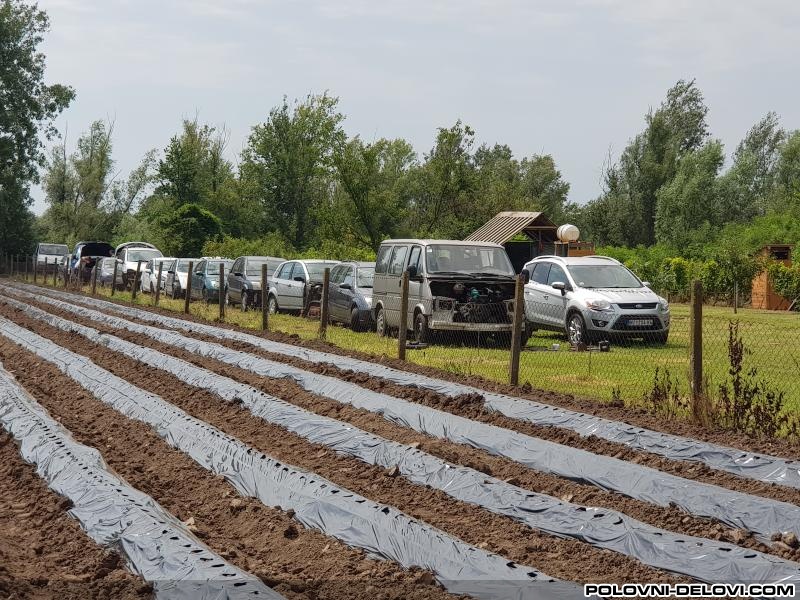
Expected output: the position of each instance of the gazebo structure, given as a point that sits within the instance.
(526, 235)
(763, 294)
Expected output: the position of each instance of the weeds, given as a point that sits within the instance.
(664, 398)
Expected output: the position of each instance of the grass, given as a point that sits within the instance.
(772, 338)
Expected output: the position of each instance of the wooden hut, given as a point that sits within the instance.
(762, 293)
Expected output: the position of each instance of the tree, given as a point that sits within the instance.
(373, 178)
(186, 230)
(288, 163)
(543, 187)
(29, 106)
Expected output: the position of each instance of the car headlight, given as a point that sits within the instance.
(598, 304)
(214, 283)
(368, 300)
(663, 305)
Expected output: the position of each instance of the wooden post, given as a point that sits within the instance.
(94, 277)
(13, 264)
(135, 286)
(114, 276)
(696, 347)
(67, 276)
(402, 333)
(44, 282)
(35, 267)
(516, 331)
(26, 268)
(158, 284)
(188, 292)
(323, 312)
(221, 294)
(735, 297)
(264, 298)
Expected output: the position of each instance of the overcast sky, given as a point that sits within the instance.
(572, 78)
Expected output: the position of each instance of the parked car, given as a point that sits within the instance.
(105, 272)
(453, 286)
(205, 279)
(177, 277)
(83, 258)
(592, 298)
(350, 294)
(55, 254)
(149, 274)
(287, 288)
(131, 253)
(244, 279)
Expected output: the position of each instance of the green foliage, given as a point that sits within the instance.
(785, 280)
(271, 244)
(187, 229)
(29, 106)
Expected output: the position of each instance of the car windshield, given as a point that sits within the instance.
(213, 267)
(254, 267)
(364, 277)
(142, 254)
(603, 276)
(467, 260)
(315, 270)
(57, 249)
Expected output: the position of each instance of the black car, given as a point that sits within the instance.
(84, 257)
(244, 280)
(350, 294)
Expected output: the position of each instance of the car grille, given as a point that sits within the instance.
(621, 324)
(637, 305)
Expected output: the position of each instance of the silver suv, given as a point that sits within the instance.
(592, 298)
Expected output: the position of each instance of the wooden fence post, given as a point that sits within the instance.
(402, 334)
(264, 299)
(323, 310)
(35, 267)
(94, 277)
(157, 295)
(44, 279)
(188, 297)
(114, 276)
(516, 331)
(221, 294)
(135, 284)
(735, 297)
(699, 400)
(26, 268)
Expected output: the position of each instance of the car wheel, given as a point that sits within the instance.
(176, 292)
(660, 338)
(380, 323)
(525, 336)
(355, 323)
(576, 330)
(244, 301)
(272, 305)
(204, 295)
(421, 331)
(152, 289)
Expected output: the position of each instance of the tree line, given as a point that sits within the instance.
(303, 186)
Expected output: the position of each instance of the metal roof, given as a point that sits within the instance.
(505, 225)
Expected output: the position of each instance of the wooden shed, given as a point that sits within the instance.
(762, 293)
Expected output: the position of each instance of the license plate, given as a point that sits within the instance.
(640, 322)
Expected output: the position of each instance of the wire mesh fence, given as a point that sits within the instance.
(750, 358)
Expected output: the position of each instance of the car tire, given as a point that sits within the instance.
(380, 323)
(204, 294)
(176, 292)
(243, 302)
(355, 323)
(272, 305)
(576, 330)
(421, 332)
(661, 337)
(525, 336)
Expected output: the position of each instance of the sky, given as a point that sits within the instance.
(570, 78)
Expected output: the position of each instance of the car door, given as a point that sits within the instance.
(397, 264)
(415, 283)
(535, 291)
(236, 280)
(197, 279)
(334, 293)
(346, 291)
(556, 302)
(295, 286)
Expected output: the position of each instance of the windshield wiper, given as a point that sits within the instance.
(456, 273)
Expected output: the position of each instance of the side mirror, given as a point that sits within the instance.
(560, 285)
(646, 283)
(412, 271)
(345, 286)
(526, 276)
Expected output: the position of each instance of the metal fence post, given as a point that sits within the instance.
(94, 278)
(157, 295)
(188, 297)
(114, 277)
(221, 294)
(699, 407)
(264, 299)
(402, 333)
(323, 309)
(516, 331)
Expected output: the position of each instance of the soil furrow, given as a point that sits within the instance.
(265, 541)
(44, 553)
(468, 522)
(670, 518)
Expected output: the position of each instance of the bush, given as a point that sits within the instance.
(272, 244)
(785, 280)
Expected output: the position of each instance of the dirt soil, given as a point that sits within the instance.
(633, 415)
(468, 522)
(44, 553)
(472, 407)
(265, 541)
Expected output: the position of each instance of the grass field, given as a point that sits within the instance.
(771, 338)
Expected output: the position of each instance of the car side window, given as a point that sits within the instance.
(348, 275)
(237, 265)
(540, 272)
(414, 259)
(382, 262)
(556, 274)
(283, 271)
(201, 267)
(398, 260)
